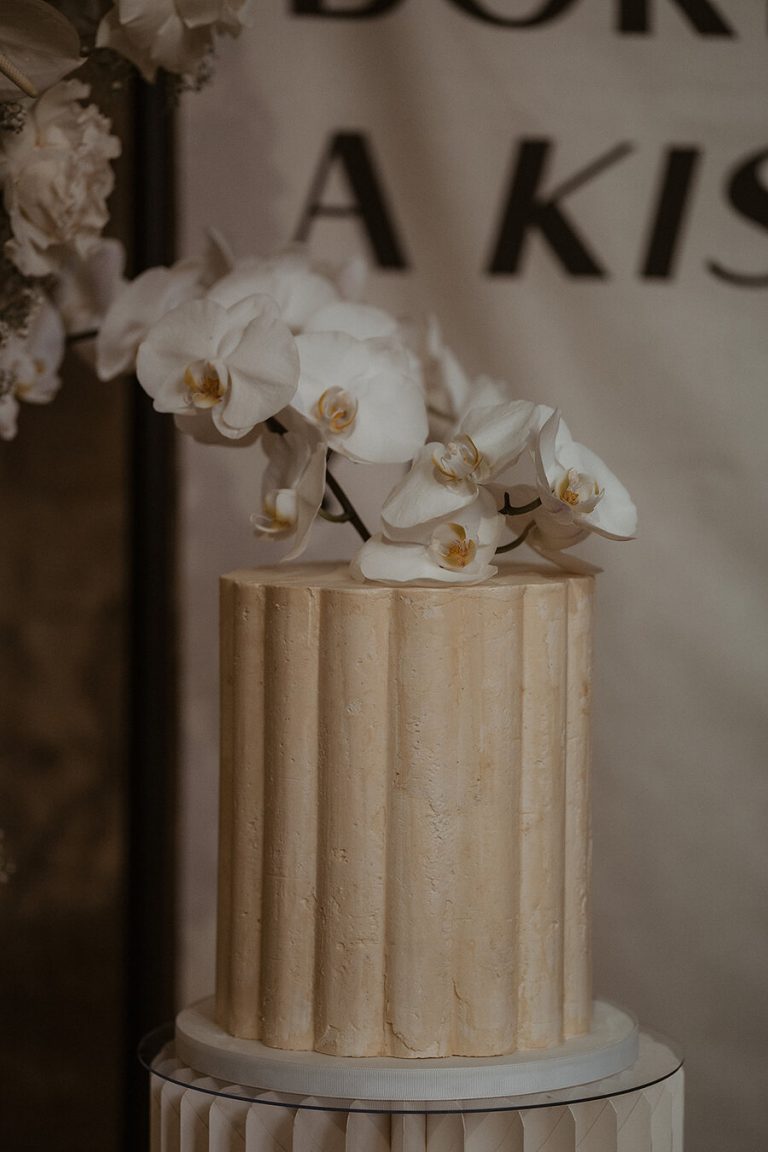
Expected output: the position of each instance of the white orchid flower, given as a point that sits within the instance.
(490, 438)
(446, 384)
(292, 487)
(240, 364)
(142, 302)
(288, 278)
(362, 321)
(29, 367)
(364, 396)
(458, 549)
(38, 46)
(578, 492)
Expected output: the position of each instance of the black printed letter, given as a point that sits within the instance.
(362, 12)
(351, 151)
(525, 210)
(633, 17)
(665, 230)
(548, 11)
(750, 199)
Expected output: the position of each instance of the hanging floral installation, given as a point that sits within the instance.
(276, 354)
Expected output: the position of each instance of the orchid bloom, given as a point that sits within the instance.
(456, 549)
(238, 364)
(292, 486)
(490, 438)
(364, 396)
(297, 289)
(446, 384)
(577, 490)
(142, 302)
(579, 496)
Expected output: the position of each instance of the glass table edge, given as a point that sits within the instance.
(153, 1043)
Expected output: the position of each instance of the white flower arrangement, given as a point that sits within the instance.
(271, 353)
(276, 353)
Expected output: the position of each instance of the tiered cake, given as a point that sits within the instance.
(404, 865)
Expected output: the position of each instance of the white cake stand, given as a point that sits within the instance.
(610, 1047)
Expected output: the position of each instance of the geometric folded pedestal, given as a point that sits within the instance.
(637, 1111)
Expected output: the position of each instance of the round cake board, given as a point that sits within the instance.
(610, 1047)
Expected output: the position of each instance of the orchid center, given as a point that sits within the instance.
(451, 547)
(459, 460)
(205, 383)
(280, 511)
(336, 411)
(578, 489)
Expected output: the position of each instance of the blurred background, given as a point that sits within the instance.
(579, 193)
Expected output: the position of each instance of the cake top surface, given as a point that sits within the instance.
(336, 575)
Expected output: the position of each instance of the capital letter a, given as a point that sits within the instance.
(350, 150)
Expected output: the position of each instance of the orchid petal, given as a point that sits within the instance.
(421, 496)
(135, 309)
(500, 432)
(615, 515)
(298, 291)
(390, 423)
(359, 320)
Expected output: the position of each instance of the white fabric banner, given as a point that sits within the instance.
(578, 190)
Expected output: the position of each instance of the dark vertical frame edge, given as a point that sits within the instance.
(150, 770)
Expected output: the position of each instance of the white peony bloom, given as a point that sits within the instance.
(292, 487)
(240, 363)
(173, 34)
(57, 177)
(490, 438)
(29, 367)
(365, 396)
(87, 287)
(455, 550)
(38, 46)
(142, 302)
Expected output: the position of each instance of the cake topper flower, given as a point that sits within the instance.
(456, 549)
(279, 356)
(240, 364)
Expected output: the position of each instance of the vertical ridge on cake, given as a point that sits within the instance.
(404, 855)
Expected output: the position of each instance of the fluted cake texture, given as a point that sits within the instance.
(404, 844)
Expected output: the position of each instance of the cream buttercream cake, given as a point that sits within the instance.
(405, 846)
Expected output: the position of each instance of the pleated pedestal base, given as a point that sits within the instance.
(638, 1110)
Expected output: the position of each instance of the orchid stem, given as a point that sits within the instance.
(509, 509)
(346, 503)
(16, 76)
(517, 541)
(333, 517)
(349, 514)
